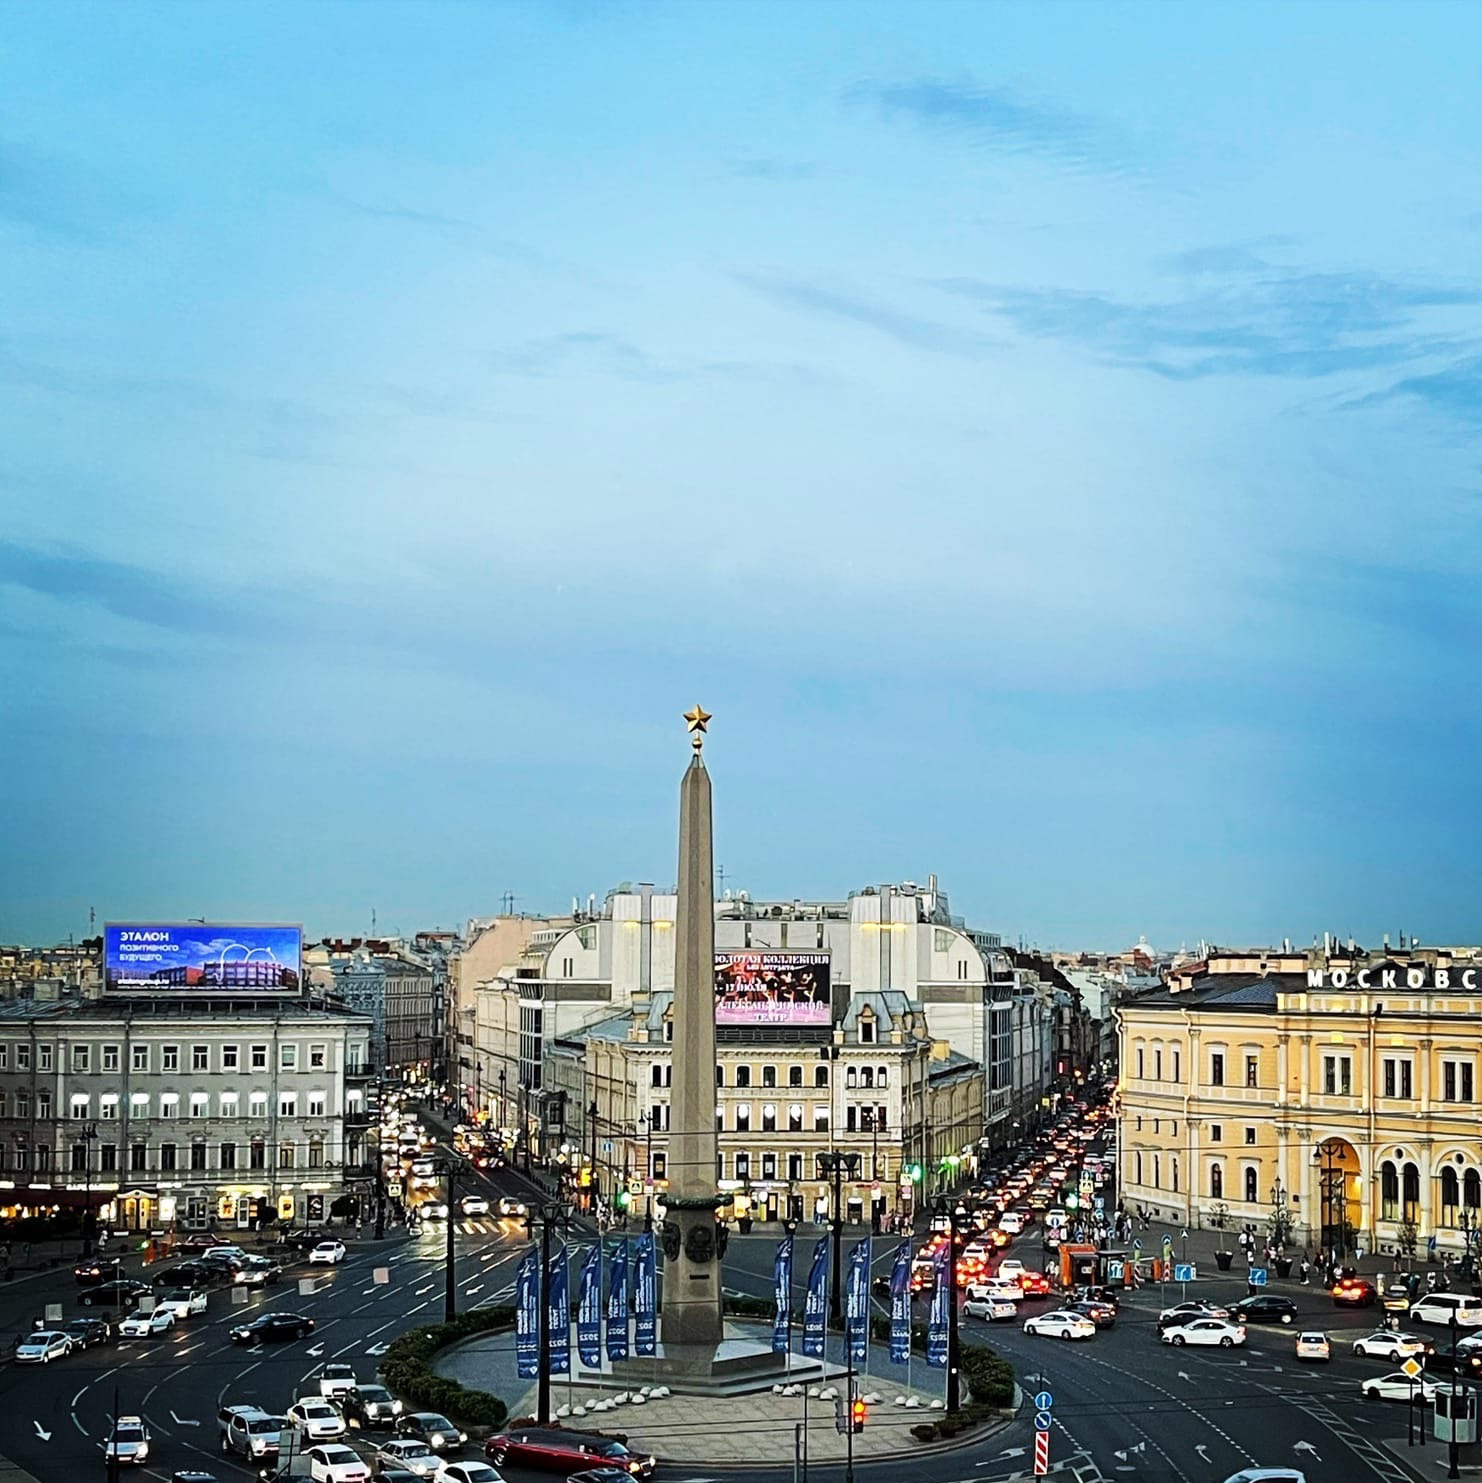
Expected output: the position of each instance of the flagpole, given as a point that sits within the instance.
(571, 1358)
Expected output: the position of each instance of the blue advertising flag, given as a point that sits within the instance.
(782, 1297)
(857, 1301)
(941, 1298)
(589, 1309)
(900, 1305)
(645, 1298)
(815, 1305)
(617, 1304)
(558, 1339)
(527, 1316)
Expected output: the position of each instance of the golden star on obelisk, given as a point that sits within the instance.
(696, 721)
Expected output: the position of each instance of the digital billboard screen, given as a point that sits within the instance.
(772, 988)
(196, 957)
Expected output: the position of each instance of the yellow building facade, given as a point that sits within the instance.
(1342, 1092)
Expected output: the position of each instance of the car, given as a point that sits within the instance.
(1354, 1292)
(42, 1346)
(370, 1405)
(405, 1452)
(599, 1475)
(1442, 1307)
(183, 1302)
(256, 1271)
(1390, 1345)
(398, 1475)
(97, 1270)
(192, 1475)
(1011, 1223)
(1096, 1294)
(316, 1419)
(147, 1325)
(188, 1274)
(992, 1310)
(336, 1465)
(327, 1253)
(222, 1258)
(1267, 1475)
(87, 1332)
(1205, 1331)
(1184, 1312)
(1011, 1267)
(1395, 1298)
(433, 1428)
(250, 1431)
(1062, 1324)
(473, 1205)
(122, 1293)
(1034, 1285)
(481, 1472)
(128, 1442)
(1313, 1345)
(1398, 1386)
(273, 1327)
(336, 1381)
(563, 1449)
(300, 1239)
(1264, 1308)
(1103, 1315)
(433, 1209)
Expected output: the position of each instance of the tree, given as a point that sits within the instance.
(1219, 1219)
(1279, 1222)
(1409, 1237)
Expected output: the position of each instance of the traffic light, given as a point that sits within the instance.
(857, 1415)
(913, 1173)
(623, 1198)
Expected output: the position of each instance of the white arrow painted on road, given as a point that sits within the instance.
(1012, 1452)
(45, 1436)
(378, 1349)
(182, 1420)
(1183, 1376)
(1306, 1447)
(1203, 1452)
(315, 1352)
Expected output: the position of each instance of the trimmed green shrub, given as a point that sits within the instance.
(407, 1367)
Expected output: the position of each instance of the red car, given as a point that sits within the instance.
(1035, 1284)
(563, 1450)
(1354, 1292)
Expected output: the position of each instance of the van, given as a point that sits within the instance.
(1441, 1307)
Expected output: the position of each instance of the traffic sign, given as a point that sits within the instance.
(1041, 1454)
(1137, 1248)
(635, 1186)
(1041, 1421)
(1044, 1401)
(1115, 1271)
(1183, 1271)
(1411, 1368)
(1100, 1203)
(1257, 1276)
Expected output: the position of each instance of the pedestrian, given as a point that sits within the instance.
(1306, 1271)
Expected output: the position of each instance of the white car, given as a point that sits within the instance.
(328, 1253)
(433, 1209)
(1398, 1387)
(510, 1208)
(1314, 1345)
(1011, 1223)
(1062, 1324)
(337, 1465)
(1383, 1344)
(415, 1457)
(1205, 1331)
(128, 1441)
(1011, 1267)
(42, 1347)
(146, 1325)
(994, 1309)
(470, 1472)
(1186, 1312)
(316, 1419)
(473, 1205)
(336, 1381)
(183, 1302)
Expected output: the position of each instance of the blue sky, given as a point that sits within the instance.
(1045, 436)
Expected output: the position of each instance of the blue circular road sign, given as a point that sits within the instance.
(1043, 1401)
(1041, 1421)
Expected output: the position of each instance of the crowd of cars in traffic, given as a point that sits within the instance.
(410, 1164)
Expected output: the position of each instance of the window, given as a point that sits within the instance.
(1250, 1184)
(882, 1078)
(228, 1155)
(285, 1155)
(317, 1103)
(743, 1166)
(743, 1076)
(79, 1158)
(1450, 1195)
(169, 1104)
(794, 1167)
(1173, 1172)
(851, 1114)
(1410, 1186)
(1157, 1065)
(43, 1060)
(230, 1107)
(259, 1058)
(110, 1058)
(1389, 1191)
(138, 1156)
(1471, 1191)
(82, 1058)
(139, 1058)
(318, 1058)
(1216, 1068)
(79, 1105)
(1252, 1071)
(661, 1165)
(139, 1104)
(867, 1029)
(1337, 1076)
(1216, 1182)
(288, 1057)
(1456, 1081)
(4, 1055)
(167, 1158)
(769, 1117)
(4, 1103)
(43, 1158)
(769, 1076)
(231, 1057)
(257, 1155)
(794, 1117)
(197, 1157)
(43, 1103)
(23, 1058)
(200, 1060)
(743, 1117)
(769, 1166)
(108, 1156)
(287, 1104)
(720, 1075)
(794, 1076)
(169, 1058)
(1250, 1137)
(316, 1153)
(668, 1029)
(1157, 1171)
(1137, 1156)
(1216, 1133)
(257, 1104)
(820, 1117)
(1397, 1077)
(820, 1076)
(851, 1077)
(1177, 1064)
(200, 1104)
(656, 1075)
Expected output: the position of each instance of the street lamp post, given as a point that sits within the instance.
(646, 1124)
(552, 1215)
(502, 1120)
(89, 1136)
(832, 1166)
(1331, 1185)
(450, 1168)
(595, 1188)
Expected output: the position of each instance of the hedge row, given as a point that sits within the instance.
(407, 1367)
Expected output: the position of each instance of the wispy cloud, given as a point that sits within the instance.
(472, 234)
(1000, 119)
(609, 354)
(1284, 323)
(54, 197)
(914, 330)
(1221, 258)
(1454, 392)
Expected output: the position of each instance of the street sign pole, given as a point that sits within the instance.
(1043, 1402)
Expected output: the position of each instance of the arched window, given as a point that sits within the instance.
(1157, 1171)
(867, 1077)
(1139, 1062)
(1251, 1184)
(1389, 1191)
(743, 1076)
(1216, 1182)
(1450, 1192)
(820, 1076)
(1173, 1172)
(1410, 1202)
(1138, 1157)
(1471, 1190)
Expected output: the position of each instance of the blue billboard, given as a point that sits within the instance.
(197, 957)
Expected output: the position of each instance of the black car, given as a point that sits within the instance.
(187, 1274)
(433, 1428)
(272, 1328)
(91, 1273)
(302, 1240)
(1468, 1363)
(121, 1293)
(86, 1332)
(370, 1405)
(1096, 1294)
(1264, 1308)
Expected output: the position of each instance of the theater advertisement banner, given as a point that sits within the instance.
(202, 957)
(771, 988)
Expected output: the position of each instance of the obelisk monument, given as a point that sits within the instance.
(692, 1317)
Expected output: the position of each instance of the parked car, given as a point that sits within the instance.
(1062, 1324)
(333, 1464)
(1205, 1331)
(317, 1419)
(42, 1346)
(1264, 1308)
(328, 1253)
(147, 1325)
(272, 1328)
(562, 1449)
(1386, 1344)
(436, 1430)
(85, 1333)
(1398, 1386)
(128, 1442)
(123, 1293)
(370, 1405)
(1314, 1345)
(599, 1475)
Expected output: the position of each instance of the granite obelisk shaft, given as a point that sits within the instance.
(692, 1315)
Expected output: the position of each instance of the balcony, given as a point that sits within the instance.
(360, 1071)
